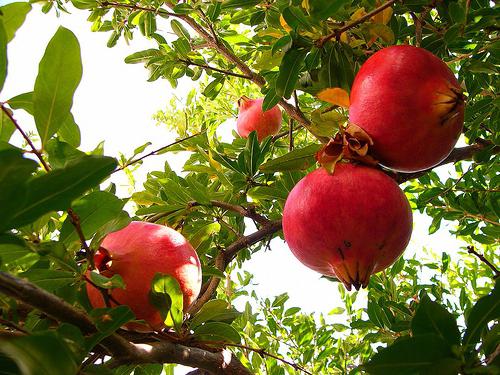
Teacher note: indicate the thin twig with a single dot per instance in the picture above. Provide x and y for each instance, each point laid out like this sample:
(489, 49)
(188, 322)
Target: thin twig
(25, 136)
(336, 33)
(471, 250)
(261, 352)
(157, 151)
(137, 7)
(226, 72)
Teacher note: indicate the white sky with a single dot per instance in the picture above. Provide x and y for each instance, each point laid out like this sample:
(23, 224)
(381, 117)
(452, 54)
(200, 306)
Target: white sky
(115, 103)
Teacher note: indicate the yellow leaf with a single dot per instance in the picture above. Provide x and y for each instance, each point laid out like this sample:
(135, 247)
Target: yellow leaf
(384, 32)
(305, 5)
(383, 17)
(358, 14)
(335, 95)
(284, 24)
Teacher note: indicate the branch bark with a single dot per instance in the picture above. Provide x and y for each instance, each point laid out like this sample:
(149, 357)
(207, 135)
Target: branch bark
(458, 154)
(121, 350)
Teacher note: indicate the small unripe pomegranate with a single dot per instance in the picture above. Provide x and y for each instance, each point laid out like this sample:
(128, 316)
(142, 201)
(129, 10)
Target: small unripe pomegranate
(137, 252)
(251, 117)
(411, 105)
(349, 224)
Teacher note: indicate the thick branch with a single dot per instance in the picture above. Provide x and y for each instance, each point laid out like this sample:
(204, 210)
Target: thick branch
(60, 310)
(219, 363)
(122, 351)
(458, 154)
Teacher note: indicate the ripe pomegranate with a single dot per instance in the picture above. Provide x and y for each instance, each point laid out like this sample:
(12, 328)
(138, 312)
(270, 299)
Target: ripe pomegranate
(137, 252)
(411, 105)
(349, 224)
(251, 117)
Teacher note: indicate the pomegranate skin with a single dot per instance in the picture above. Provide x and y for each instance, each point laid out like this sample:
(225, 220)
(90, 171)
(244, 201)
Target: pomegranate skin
(251, 117)
(348, 225)
(137, 252)
(411, 104)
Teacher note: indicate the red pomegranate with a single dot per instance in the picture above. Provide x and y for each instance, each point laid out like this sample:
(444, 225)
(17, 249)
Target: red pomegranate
(349, 224)
(411, 105)
(251, 117)
(137, 252)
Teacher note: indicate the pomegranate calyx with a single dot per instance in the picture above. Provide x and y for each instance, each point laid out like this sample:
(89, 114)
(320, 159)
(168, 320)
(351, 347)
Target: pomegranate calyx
(102, 259)
(352, 143)
(243, 101)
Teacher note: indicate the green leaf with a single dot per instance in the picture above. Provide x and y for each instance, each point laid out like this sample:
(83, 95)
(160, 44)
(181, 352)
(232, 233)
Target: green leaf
(323, 9)
(252, 153)
(296, 19)
(49, 279)
(94, 210)
(142, 56)
(290, 67)
(13, 16)
(271, 99)
(203, 233)
(409, 355)
(40, 354)
(180, 30)
(7, 127)
(15, 171)
(298, 159)
(107, 321)
(12, 248)
(167, 297)
(59, 74)
(3, 55)
(56, 190)
(212, 271)
(232, 4)
(484, 311)
(431, 317)
(215, 310)
(115, 281)
(61, 153)
(69, 130)
(217, 331)
(214, 87)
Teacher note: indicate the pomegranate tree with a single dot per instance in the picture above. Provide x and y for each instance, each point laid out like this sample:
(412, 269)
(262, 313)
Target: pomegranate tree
(410, 104)
(251, 117)
(349, 224)
(137, 252)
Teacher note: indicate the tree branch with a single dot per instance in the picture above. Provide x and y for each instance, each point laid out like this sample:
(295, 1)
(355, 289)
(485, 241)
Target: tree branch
(208, 67)
(122, 351)
(157, 151)
(471, 250)
(458, 154)
(25, 136)
(247, 212)
(60, 310)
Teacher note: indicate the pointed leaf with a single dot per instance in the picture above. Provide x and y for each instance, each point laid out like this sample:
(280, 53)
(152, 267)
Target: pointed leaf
(484, 311)
(56, 190)
(298, 159)
(13, 16)
(431, 317)
(59, 74)
(3, 55)
(409, 355)
(167, 297)
(217, 331)
(289, 72)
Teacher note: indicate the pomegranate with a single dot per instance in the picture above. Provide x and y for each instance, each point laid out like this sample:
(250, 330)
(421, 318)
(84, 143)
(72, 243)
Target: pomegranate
(411, 105)
(349, 224)
(137, 252)
(251, 117)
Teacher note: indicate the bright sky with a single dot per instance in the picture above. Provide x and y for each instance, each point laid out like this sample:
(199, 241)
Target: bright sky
(115, 103)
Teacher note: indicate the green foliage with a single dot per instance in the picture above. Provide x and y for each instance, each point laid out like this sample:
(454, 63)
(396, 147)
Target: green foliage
(430, 313)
